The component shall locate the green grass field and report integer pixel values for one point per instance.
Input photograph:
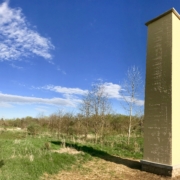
(24, 157)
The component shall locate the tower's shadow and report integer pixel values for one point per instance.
(103, 155)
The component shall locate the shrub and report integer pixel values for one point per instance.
(33, 129)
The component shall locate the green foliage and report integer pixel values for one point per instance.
(33, 129)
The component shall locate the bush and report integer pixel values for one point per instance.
(33, 129)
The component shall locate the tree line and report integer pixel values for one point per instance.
(95, 115)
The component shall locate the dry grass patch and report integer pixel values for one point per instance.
(67, 150)
(99, 169)
(96, 169)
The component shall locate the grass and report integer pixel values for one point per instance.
(29, 157)
(115, 145)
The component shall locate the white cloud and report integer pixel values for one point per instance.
(17, 40)
(8, 100)
(65, 90)
(5, 105)
(139, 102)
(112, 90)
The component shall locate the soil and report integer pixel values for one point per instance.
(107, 168)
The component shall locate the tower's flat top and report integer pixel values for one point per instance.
(160, 16)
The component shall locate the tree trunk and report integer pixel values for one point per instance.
(96, 136)
(129, 128)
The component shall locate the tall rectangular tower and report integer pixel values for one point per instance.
(162, 96)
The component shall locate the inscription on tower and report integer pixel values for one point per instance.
(161, 121)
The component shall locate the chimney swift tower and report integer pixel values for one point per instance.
(162, 96)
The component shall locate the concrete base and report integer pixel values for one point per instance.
(160, 169)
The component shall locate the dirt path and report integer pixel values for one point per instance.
(100, 169)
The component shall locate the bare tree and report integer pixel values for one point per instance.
(130, 94)
(95, 106)
(55, 123)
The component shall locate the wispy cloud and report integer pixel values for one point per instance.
(17, 39)
(16, 67)
(8, 100)
(65, 90)
(112, 91)
(5, 105)
(16, 83)
(42, 109)
(62, 71)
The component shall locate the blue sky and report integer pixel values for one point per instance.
(52, 51)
